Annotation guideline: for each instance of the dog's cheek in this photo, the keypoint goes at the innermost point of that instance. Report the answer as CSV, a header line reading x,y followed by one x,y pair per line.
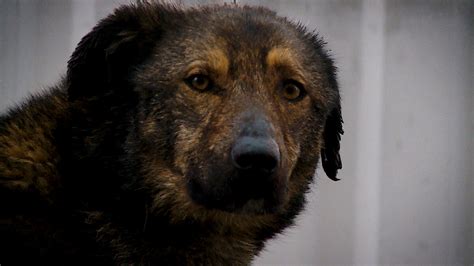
x,y
303,144
154,129
295,126
204,127
186,145
189,120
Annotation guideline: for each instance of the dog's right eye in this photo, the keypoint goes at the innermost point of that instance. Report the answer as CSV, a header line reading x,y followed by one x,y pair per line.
x,y
199,82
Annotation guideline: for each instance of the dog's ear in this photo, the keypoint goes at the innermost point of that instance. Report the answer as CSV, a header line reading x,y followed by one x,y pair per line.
x,y
104,57
330,157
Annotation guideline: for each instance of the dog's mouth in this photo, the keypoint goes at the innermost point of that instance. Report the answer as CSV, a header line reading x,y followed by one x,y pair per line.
x,y
249,193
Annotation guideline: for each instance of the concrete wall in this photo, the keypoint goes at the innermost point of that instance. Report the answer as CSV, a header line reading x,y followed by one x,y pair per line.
x,y
406,74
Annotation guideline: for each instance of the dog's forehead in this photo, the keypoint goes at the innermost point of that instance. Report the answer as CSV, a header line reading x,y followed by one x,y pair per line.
x,y
235,29
238,35
237,43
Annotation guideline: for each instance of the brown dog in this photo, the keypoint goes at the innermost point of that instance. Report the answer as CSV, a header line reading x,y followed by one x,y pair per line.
x,y
177,137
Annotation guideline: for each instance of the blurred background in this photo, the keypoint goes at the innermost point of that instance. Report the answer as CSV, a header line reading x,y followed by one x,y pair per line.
x,y
406,73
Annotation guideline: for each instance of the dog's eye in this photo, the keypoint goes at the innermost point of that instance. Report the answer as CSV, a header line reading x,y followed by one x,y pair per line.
x,y
293,90
199,82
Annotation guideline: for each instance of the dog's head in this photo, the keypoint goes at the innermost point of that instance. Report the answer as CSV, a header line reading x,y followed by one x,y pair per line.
x,y
230,107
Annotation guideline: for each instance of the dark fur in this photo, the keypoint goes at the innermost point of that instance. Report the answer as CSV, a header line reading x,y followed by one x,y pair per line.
x,y
98,168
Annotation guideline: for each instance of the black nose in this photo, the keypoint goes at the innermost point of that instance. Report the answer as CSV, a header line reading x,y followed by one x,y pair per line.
x,y
256,154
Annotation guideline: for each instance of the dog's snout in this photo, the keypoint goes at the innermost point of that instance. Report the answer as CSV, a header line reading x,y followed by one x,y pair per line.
x,y
257,126
256,154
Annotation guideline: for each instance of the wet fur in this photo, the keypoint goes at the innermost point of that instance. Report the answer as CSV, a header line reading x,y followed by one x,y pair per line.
x,y
94,169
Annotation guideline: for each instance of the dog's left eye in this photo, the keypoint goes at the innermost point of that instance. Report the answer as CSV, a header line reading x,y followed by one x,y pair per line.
x,y
293,90
199,82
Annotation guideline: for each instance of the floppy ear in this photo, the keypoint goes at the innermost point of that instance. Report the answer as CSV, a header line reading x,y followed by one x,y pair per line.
x,y
104,57
330,157
332,136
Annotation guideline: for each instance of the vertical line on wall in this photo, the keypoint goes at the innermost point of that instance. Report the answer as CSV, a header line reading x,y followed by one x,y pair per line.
x,y
83,19
470,248
28,33
9,39
369,133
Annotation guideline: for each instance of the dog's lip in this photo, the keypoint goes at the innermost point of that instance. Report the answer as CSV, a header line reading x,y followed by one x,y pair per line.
x,y
251,206
241,203
239,191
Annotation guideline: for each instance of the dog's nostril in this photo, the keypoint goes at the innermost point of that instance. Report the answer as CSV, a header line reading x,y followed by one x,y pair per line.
x,y
250,161
256,154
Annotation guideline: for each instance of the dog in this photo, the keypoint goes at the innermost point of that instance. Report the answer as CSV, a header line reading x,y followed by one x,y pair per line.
x,y
177,136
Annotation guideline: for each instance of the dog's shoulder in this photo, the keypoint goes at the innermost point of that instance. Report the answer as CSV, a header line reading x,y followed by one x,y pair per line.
x,y
28,144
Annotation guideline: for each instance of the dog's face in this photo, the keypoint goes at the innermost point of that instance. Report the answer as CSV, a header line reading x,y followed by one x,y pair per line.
x,y
234,106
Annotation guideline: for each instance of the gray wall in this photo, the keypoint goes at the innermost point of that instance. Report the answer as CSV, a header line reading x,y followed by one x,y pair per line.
x,y
406,74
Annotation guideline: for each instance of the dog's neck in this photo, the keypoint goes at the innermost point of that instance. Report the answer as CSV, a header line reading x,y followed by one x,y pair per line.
x,y
162,243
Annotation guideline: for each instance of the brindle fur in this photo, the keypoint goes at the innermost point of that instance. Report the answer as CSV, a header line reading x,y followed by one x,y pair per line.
x,y
97,169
